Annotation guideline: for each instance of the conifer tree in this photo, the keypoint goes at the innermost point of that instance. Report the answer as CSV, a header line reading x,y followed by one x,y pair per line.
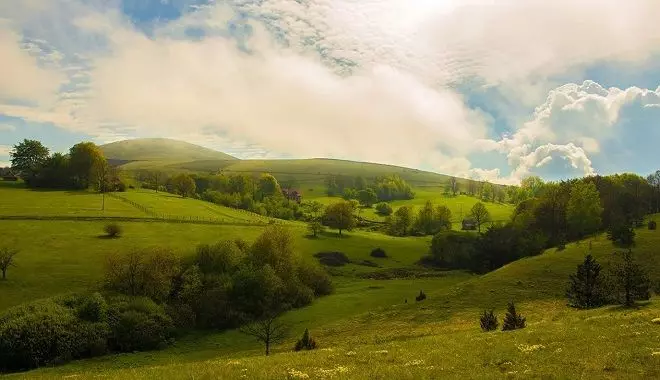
x,y
306,342
632,282
513,320
489,321
586,288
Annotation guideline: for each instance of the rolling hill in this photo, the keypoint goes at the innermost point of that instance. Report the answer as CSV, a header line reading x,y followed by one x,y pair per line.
x,y
160,149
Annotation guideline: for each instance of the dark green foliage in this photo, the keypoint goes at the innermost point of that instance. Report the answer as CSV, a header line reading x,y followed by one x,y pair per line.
x,y
421,296
513,320
622,235
586,288
631,283
222,257
315,228
138,324
384,209
367,197
488,321
305,343
315,278
27,159
652,225
378,252
332,259
340,216
453,250
7,260
112,230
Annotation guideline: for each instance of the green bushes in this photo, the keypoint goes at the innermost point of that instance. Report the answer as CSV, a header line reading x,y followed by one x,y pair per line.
x,y
513,320
60,329
332,259
379,253
488,321
305,343
384,209
112,230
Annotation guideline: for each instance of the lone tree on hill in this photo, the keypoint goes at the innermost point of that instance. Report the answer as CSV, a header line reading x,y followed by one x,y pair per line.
x,y
340,216
480,214
632,283
269,330
6,260
586,288
513,320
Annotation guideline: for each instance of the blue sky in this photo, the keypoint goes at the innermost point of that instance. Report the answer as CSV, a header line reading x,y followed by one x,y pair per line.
x,y
470,88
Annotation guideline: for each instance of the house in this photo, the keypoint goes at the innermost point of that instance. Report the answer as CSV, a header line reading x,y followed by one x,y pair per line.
x,y
292,195
469,224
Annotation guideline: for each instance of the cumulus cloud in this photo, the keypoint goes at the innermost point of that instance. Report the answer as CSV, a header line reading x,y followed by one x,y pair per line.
x,y
371,80
7,127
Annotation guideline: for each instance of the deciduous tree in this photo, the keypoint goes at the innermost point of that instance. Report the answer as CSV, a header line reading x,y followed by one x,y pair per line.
x,y
27,158
340,216
480,214
6,260
583,211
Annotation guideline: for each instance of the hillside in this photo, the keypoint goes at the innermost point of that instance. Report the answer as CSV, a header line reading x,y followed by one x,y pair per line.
x,y
159,149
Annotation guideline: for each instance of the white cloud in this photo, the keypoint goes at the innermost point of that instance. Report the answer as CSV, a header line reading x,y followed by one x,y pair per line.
x,y
370,80
4,150
7,127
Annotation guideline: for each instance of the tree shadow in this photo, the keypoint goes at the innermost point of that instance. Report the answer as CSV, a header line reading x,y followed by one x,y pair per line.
x,y
640,305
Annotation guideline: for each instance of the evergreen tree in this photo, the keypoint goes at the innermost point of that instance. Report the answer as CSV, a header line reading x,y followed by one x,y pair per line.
x,y
489,321
513,320
305,343
586,286
631,281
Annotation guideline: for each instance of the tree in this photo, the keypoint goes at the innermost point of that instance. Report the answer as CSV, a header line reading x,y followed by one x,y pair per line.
x,y
583,211
367,197
384,209
27,158
340,216
622,234
315,227
488,321
268,330
87,164
480,214
488,192
453,185
441,218
533,185
183,185
424,221
513,320
306,342
586,288
349,193
313,208
631,281
7,260
401,221
268,187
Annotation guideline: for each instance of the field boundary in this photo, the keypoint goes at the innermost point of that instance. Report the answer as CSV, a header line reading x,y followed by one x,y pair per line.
x,y
180,219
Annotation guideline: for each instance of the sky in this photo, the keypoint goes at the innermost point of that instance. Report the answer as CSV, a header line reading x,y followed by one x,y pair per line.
x,y
487,89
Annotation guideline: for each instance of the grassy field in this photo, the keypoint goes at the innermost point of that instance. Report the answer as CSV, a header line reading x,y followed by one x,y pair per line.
x,y
366,330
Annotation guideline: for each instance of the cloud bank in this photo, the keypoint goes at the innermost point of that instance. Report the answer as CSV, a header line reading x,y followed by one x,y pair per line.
x,y
369,80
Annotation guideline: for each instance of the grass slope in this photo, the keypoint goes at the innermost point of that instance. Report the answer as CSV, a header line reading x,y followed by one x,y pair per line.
x,y
159,149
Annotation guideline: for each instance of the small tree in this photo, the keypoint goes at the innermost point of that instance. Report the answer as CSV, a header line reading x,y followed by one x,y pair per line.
x,y
305,343
480,214
315,228
112,230
631,281
652,225
489,321
513,320
7,260
269,330
384,209
586,287
622,234
367,197
340,216
421,296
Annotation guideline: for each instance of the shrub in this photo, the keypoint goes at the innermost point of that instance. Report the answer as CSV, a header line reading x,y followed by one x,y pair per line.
x,y
139,324
513,320
305,343
421,296
315,277
384,209
622,235
112,230
332,259
378,252
489,321
653,225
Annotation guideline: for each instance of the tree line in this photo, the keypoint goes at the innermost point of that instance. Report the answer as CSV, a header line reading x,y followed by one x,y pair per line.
x,y
84,166
380,189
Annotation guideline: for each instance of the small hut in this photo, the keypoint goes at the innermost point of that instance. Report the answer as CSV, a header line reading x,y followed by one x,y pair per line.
x,y
469,224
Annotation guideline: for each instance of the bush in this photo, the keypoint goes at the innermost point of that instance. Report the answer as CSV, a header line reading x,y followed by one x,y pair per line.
x,y
316,278
384,209
513,320
139,324
378,252
653,225
421,296
305,343
112,230
489,321
332,259
621,235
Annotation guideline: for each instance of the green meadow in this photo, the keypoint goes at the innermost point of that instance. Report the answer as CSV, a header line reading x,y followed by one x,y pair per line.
x,y
367,329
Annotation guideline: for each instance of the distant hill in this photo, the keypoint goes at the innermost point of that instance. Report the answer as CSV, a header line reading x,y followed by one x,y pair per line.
x,y
159,149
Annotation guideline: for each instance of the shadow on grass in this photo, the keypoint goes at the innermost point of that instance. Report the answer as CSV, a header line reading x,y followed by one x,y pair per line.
x,y
108,237
623,309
